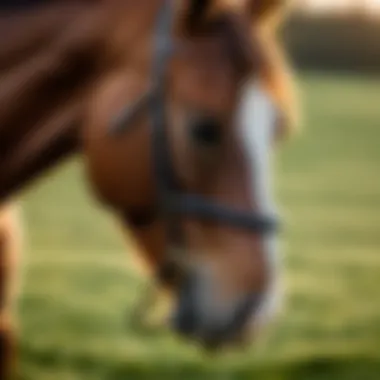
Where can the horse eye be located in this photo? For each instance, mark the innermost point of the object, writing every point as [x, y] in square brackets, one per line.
[206, 131]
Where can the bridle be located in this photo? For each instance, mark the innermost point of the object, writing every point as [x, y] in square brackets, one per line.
[172, 203]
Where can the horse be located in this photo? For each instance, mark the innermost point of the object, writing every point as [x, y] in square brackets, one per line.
[175, 108]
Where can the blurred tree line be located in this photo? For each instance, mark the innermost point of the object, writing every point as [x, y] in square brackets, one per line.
[344, 42]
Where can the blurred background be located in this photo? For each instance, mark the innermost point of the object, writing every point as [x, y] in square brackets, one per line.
[80, 284]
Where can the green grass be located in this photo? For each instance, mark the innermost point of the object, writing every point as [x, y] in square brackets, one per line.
[79, 286]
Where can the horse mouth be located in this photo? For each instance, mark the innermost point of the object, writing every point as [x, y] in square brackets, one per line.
[213, 345]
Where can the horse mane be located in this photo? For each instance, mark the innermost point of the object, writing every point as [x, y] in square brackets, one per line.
[277, 74]
[279, 80]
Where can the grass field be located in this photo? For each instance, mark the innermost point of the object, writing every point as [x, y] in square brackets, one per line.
[79, 285]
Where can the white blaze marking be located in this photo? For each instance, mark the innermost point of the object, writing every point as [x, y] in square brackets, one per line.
[257, 122]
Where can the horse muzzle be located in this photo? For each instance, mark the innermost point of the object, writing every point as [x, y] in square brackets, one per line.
[202, 316]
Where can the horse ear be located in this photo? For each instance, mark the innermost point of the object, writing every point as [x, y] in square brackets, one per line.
[196, 13]
[262, 10]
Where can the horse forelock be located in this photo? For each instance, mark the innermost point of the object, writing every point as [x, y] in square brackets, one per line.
[255, 48]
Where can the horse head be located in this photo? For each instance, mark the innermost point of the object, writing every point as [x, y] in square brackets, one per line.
[189, 168]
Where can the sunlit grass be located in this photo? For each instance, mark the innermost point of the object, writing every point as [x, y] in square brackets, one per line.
[79, 282]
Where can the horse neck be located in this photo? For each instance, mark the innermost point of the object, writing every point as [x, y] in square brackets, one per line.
[47, 73]
[39, 97]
